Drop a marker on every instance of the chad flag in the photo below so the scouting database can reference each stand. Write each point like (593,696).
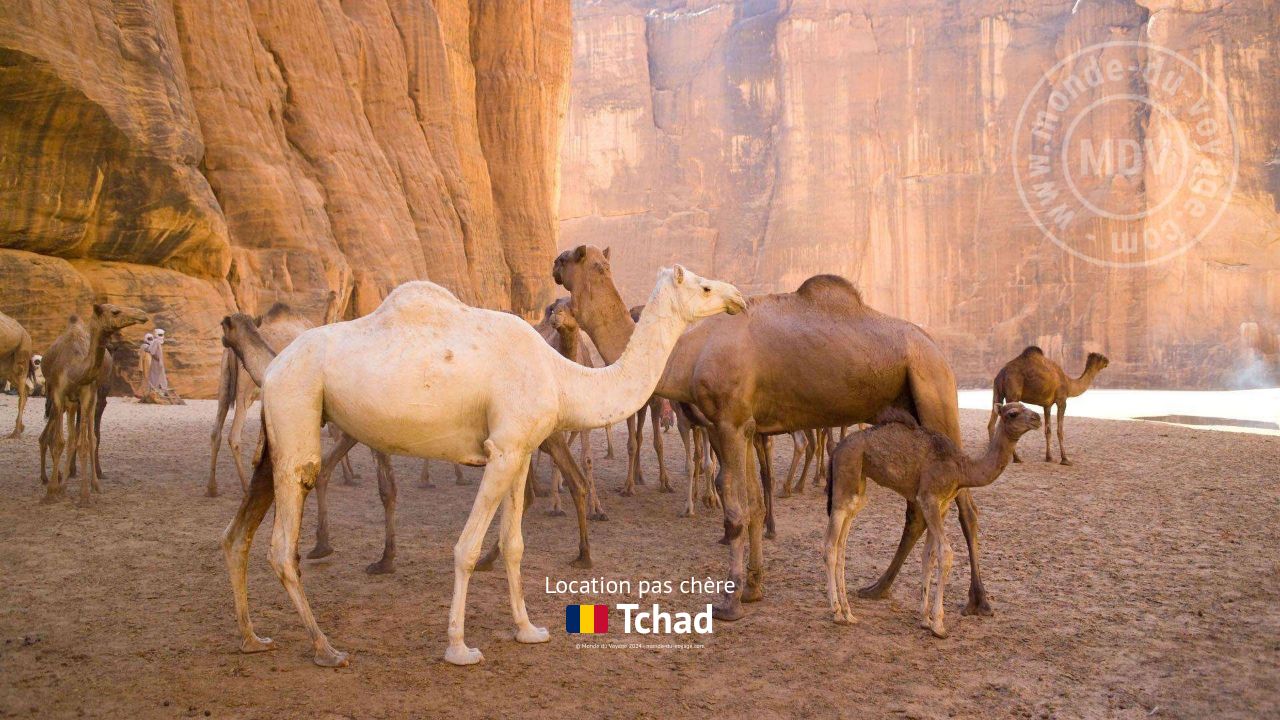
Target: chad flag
(586,619)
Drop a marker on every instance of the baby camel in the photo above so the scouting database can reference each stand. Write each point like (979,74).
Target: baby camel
(447,389)
(927,469)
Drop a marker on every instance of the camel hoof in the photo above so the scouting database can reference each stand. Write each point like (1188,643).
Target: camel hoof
(939,631)
(873,592)
(728,613)
(13,435)
(462,482)
(688,512)
(1017,459)
(427,486)
(211,492)
(257,644)
(51,498)
(320,551)
(582,562)
(1067,462)
(328,657)
(539,491)
(462,655)
(382,567)
(599,517)
(724,540)
(844,617)
(770,534)
(752,593)
(783,494)
(666,489)
(980,608)
(532,635)
(557,512)
(626,492)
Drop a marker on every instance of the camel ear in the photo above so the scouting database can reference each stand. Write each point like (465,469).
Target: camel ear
(679,274)
(579,253)
(98,310)
(606,253)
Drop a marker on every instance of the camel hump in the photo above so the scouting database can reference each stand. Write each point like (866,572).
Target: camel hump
(276,310)
(1031,350)
(830,287)
(892,415)
(418,296)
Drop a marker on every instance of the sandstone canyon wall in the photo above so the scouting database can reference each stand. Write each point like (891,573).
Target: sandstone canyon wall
(763,141)
(193,157)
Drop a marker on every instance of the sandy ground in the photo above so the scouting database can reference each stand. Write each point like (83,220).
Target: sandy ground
(1142,582)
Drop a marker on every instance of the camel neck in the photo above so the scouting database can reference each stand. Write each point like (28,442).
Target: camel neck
(605,318)
(984,470)
(1077,385)
(97,351)
(254,353)
(569,344)
(594,398)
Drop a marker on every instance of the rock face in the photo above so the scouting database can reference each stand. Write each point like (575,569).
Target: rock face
(193,157)
(764,141)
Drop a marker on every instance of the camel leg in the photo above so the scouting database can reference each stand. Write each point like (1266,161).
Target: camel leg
(968,511)
(937,565)
(18,377)
(1048,438)
(820,455)
(54,427)
(655,422)
(796,444)
(424,479)
(322,547)
(99,409)
(348,473)
(686,437)
(556,478)
(46,437)
(911,529)
(243,401)
(512,539)
(847,499)
(735,482)
(73,440)
(558,449)
(84,440)
(810,449)
(501,476)
(764,455)
(608,442)
(458,478)
(634,431)
(588,466)
(386,491)
(291,491)
(235,547)
(1062,413)
(227,392)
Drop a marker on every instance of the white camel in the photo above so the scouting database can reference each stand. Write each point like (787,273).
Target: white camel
(455,383)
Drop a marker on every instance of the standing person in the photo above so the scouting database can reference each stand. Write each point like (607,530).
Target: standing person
(157,381)
(144,362)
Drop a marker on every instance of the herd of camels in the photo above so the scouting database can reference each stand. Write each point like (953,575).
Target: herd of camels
(448,390)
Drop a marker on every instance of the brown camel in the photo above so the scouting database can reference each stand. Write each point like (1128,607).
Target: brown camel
(1034,379)
(928,470)
(560,328)
(106,376)
(72,370)
(15,364)
(635,440)
(814,358)
(278,326)
(241,336)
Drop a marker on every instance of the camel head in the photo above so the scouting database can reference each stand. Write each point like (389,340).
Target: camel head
(579,268)
(1096,360)
(115,317)
(1017,419)
(697,297)
(237,326)
(560,315)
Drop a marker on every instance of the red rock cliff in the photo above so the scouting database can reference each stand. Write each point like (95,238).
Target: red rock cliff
(763,141)
(191,157)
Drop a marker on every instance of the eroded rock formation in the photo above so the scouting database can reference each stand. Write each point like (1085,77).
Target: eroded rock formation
(764,141)
(191,157)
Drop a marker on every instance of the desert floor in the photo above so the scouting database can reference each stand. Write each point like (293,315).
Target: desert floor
(1141,582)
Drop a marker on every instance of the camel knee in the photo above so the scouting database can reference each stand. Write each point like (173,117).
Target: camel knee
(465,557)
